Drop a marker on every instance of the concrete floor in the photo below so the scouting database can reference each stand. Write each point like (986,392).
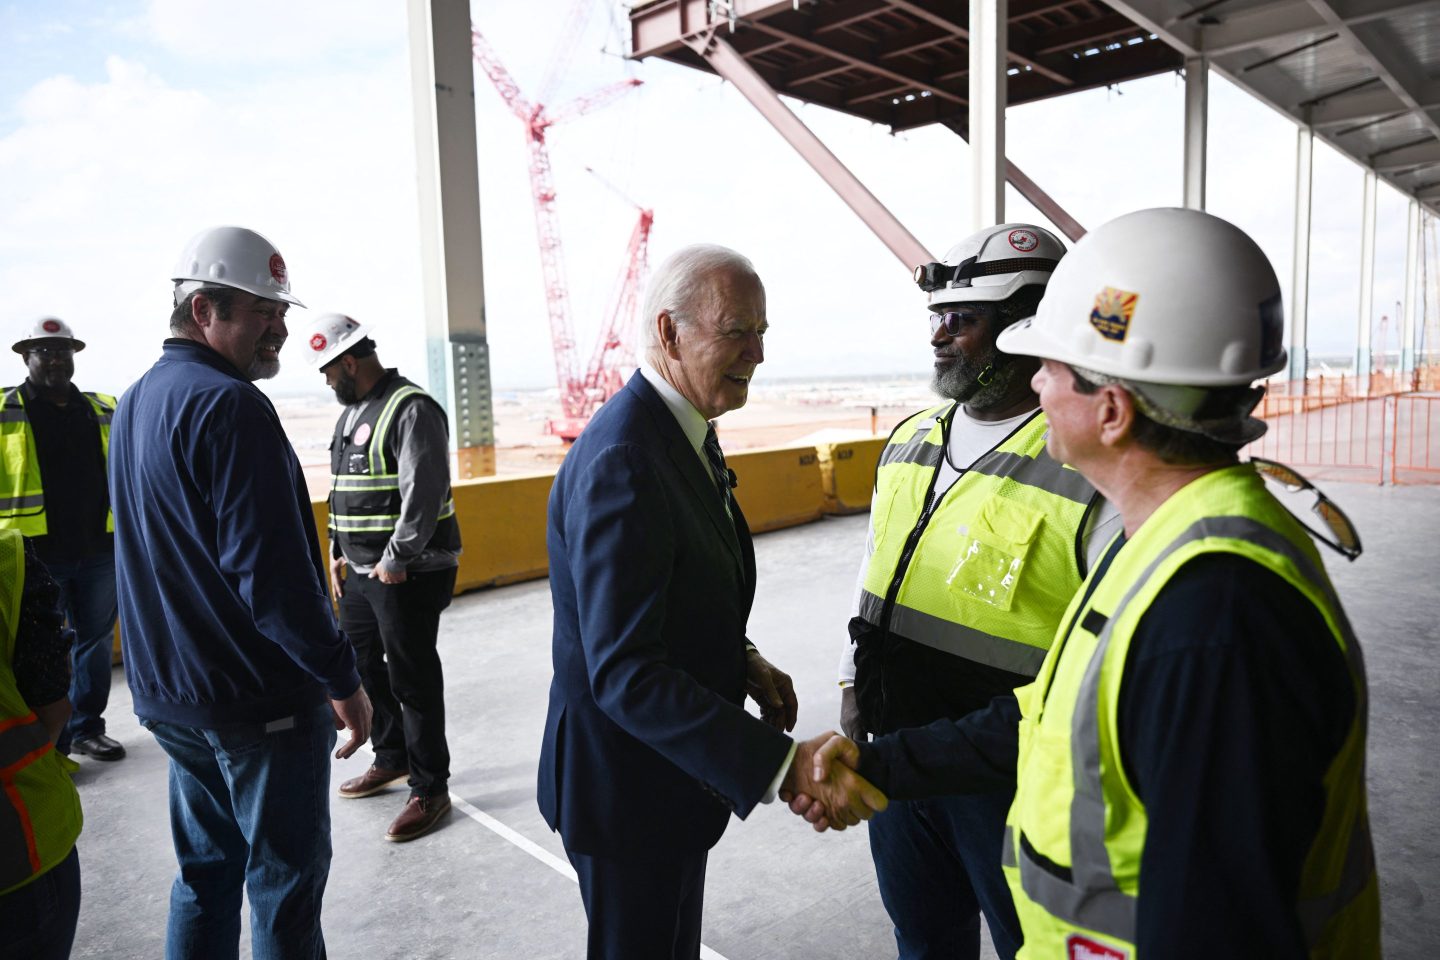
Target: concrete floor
(486,884)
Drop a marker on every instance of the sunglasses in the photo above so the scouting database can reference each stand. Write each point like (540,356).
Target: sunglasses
(53,351)
(1346,540)
(953,320)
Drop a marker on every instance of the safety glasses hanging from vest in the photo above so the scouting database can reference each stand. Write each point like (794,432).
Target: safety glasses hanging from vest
(1346,539)
(954,320)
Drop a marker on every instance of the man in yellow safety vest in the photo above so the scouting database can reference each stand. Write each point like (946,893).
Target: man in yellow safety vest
(1191,756)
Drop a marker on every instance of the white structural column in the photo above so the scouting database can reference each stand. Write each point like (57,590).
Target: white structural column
(987,111)
(1414,224)
(1197,109)
(446,164)
(1300,279)
(1363,355)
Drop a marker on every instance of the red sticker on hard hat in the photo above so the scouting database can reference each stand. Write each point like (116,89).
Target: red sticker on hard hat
(1023,240)
(1083,948)
(277,268)
(1113,311)
(51,326)
(318,342)
(361,435)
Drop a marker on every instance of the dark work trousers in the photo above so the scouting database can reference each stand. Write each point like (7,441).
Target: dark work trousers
(394,628)
(938,865)
(649,907)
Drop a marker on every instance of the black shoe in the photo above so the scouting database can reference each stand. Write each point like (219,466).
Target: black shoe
(98,746)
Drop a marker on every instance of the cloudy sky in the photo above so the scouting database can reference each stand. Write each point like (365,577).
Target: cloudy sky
(128,125)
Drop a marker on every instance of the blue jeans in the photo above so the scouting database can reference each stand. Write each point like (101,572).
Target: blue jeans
(39,918)
(87,598)
(938,866)
(249,809)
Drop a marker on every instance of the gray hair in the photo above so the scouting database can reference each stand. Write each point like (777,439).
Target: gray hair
(680,283)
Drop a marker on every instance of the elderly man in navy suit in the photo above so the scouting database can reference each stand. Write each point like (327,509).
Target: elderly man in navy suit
(648,748)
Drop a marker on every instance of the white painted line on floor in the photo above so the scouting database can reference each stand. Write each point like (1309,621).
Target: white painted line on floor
(530,847)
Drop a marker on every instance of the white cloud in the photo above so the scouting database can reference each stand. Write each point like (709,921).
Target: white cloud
(223,31)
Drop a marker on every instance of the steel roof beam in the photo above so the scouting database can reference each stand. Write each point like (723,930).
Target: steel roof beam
(1260,25)
(1421,153)
(1087,32)
(1376,46)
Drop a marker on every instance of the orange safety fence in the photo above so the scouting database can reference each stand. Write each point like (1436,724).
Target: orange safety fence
(1376,429)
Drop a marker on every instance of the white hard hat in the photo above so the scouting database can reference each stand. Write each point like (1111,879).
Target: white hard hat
(1163,296)
(47,328)
(331,335)
(992,265)
(233,257)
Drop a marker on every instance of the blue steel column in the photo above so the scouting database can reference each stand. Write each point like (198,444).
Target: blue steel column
(1413,225)
(1300,279)
(988,37)
(1363,352)
(446,165)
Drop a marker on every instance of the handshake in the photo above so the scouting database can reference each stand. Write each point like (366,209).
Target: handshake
(823,787)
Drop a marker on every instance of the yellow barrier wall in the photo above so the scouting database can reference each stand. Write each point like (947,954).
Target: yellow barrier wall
(778,486)
(502,519)
(848,472)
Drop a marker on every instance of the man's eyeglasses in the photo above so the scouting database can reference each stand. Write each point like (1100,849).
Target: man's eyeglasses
(953,320)
(1346,540)
(49,352)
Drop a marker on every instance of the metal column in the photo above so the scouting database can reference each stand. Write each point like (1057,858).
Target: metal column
(987,111)
(446,165)
(1197,109)
(730,65)
(1363,354)
(1413,225)
(1300,280)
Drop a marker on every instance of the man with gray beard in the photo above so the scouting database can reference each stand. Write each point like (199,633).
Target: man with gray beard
(978,540)
(234,659)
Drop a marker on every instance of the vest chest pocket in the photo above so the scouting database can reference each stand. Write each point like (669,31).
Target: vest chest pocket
(990,560)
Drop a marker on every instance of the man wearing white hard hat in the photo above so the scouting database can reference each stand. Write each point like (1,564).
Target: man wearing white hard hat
(954,605)
(394,556)
(1191,756)
(52,489)
(235,662)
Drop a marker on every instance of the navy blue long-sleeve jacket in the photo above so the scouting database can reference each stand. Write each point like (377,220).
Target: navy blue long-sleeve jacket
(220,579)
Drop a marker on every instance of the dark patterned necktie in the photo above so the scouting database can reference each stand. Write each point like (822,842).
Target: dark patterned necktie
(718,471)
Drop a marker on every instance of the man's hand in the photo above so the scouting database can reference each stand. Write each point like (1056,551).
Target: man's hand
(353,714)
(850,722)
(770,687)
(843,799)
(337,577)
(388,573)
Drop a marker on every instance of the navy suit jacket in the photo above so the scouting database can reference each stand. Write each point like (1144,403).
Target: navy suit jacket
(648,747)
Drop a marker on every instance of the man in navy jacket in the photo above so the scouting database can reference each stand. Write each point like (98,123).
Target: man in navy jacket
(231,649)
(647,746)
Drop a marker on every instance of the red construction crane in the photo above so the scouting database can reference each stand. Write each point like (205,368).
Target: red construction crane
(576,401)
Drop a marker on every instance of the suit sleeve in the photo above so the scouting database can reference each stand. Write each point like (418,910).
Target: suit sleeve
(621,554)
(974,754)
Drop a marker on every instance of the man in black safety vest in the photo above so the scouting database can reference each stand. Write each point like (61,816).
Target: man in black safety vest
(55,440)
(395,548)
(978,540)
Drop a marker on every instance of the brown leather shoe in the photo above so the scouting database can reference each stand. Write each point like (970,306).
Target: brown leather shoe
(370,782)
(419,816)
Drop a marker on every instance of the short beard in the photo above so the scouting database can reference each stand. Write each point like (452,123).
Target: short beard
(263,369)
(345,390)
(959,380)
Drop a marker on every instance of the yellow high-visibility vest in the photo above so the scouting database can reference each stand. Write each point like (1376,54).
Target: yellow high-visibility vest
(987,571)
(1076,831)
(39,806)
(22,493)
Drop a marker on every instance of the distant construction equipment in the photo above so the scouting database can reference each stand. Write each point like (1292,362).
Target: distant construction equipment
(581,393)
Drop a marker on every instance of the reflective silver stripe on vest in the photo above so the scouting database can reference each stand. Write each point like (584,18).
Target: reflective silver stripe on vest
(954,638)
(1042,471)
(13,415)
(13,505)
(362,523)
(362,481)
(1092,898)
(915,450)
